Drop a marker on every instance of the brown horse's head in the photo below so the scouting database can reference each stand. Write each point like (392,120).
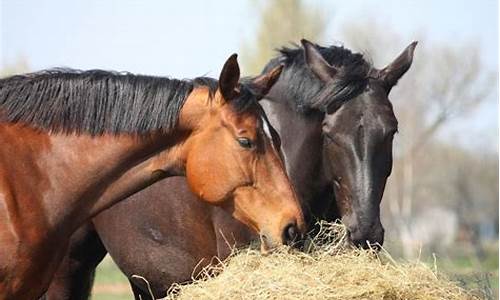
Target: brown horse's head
(233,159)
(359,127)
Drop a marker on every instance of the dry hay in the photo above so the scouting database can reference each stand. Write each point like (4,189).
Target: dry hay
(327,270)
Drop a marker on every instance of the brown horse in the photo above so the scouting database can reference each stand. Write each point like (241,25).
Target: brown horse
(336,125)
(74,143)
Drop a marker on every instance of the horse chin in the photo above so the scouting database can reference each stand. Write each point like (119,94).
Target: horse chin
(266,245)
(264,250)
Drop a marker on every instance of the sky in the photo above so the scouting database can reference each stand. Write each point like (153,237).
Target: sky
(185,39)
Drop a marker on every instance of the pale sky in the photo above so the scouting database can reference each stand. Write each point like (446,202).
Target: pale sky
(184,39)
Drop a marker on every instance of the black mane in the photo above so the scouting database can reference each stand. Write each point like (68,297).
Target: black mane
(95,101)
(307,91)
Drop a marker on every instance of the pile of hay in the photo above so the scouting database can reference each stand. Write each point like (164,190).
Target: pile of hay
(327,270)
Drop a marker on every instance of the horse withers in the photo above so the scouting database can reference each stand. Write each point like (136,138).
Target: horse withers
(74,143)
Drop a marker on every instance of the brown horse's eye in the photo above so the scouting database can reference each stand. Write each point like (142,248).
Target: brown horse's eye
(245,143)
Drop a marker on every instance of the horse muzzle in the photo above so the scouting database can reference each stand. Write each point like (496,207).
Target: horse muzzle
(371,236)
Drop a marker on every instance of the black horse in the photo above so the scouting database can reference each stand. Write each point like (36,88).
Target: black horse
(331,109)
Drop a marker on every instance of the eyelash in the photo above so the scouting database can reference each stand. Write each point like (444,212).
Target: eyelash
(245,142)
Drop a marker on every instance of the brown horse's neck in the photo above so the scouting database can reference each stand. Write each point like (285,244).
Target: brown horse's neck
(90,173)
(102,171)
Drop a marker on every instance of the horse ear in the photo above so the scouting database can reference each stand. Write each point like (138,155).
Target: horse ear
(391,73)
(317,63)
(229,77)
(264,82)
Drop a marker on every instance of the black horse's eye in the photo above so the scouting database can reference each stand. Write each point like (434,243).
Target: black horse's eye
(245,143)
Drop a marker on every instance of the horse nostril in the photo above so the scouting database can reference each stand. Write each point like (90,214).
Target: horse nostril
(361,243)
(356,237)
(290,234)
(363,239)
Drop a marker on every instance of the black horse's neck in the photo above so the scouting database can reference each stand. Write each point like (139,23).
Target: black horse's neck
(302,144)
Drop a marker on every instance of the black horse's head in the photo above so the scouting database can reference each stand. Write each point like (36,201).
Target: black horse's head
(358,128)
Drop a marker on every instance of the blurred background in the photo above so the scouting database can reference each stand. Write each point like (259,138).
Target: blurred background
(441,201)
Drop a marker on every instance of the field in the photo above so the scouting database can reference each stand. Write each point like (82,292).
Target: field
(110,283)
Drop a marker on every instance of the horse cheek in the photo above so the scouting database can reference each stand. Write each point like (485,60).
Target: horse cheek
(204,178)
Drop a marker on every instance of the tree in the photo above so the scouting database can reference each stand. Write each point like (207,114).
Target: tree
(20,66)
(281,22)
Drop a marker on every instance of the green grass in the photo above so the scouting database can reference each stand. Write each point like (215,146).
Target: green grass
(108,296)
(109,276)
(107,272)
(473,273)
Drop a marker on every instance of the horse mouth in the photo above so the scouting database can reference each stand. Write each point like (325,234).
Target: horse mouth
(266,244)
(264,247)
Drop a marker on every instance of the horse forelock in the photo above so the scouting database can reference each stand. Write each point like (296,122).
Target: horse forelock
(306,91)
